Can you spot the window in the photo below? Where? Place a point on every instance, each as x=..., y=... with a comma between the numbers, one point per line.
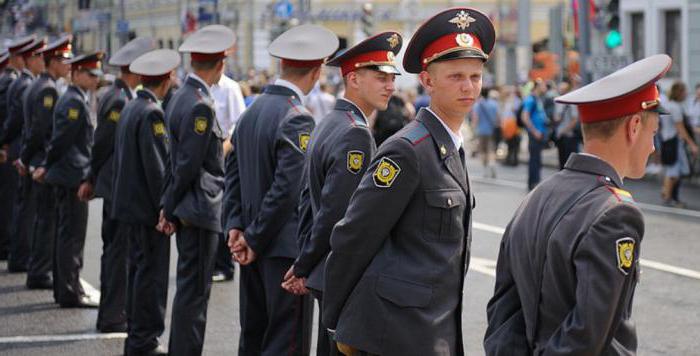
x=637, y=35
x=672, y=41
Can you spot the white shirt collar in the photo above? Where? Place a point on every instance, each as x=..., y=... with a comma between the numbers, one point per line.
x=293, y=87
x=82, y=92
x=358, y=108
x=197, y=78
x=457, y=138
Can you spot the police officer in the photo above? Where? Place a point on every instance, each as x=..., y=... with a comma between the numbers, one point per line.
x=39, y=105
x=339, y=151
x=569, y=260
x=111, y=316
x=193, y=196
x=8, y=174
x=263, y=175
x=394, y=277
x=66, y=167
x=140, y=161
x=23, y=210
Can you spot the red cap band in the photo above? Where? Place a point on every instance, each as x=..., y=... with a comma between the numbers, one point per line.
x=207, y=57
x=86, y=65
x=449, y=43
x=301, y=64
x=644, y=99
x=367, y=59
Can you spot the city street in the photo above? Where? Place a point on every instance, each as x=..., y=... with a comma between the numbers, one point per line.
x=666, y=305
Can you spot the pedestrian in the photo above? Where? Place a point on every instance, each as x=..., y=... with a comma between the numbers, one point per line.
x=389, y=121
x=675, y=137
x=66, y=168
x=485, y=121
x=140, y=164
x=568, y=262
x=535, y=122
x=111, y=315
x=567, y=127
x=229, y=105
x=395, y=274
x=510, y=108
x=23, y=210
x=339, y=151
x=39, y=104
x=263, y=182
x=321, y=101
x=192, y=199
x=9, y=179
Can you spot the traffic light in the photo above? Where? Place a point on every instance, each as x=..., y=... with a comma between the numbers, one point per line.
x=613, y=38
x=367, y=19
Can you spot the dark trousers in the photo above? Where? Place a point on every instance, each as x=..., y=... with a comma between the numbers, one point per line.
x=223, y=261
x=325, y=345
x=196, y=249
x=23, y=214
x=43, y=233
x=9, y=179
x=273, y=321
x=534, y=164
x=513, y=150
x=565, y=147
x=149, y=260
x=112, y=310
x=70, y=241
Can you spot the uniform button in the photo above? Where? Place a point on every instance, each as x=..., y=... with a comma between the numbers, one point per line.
x=449, y=201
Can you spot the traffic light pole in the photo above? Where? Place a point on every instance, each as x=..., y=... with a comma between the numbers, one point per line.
x=584, y=39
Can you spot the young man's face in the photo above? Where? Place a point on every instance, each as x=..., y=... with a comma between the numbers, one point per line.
x=375, y=87
x=35, y=64
x=454, y=85
x=642, y=144
x=85, y=80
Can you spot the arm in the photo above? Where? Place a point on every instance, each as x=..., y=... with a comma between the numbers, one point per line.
x=104, y=134
x=283, y=196
x=41, y=124
x=152, y=138
x=66, y=127
x=357, y=238
x=341, y=181
x=527, y=109
x=232, y=192
x=15, y=119
x=605, y=282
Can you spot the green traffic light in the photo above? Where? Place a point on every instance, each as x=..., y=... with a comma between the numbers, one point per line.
x=613, y=39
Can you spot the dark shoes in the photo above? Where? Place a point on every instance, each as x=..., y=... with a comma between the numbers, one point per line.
x=40, y=283
x=85, y=301
x=115, y=328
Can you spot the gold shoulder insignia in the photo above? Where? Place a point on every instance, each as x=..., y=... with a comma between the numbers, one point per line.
x=159, y=129
x=200, y=125
x=304, y=138
x=48, y=101
x=624, y=248
x=386, y=173
x=73, y=114
x=114, y=116
x=355, y=160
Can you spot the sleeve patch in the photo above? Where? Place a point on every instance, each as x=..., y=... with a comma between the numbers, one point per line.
x=159, y=129
x=624, y=249
x=200, y=125
x=48, y=101
x=304, y=138
x=386, y=173
x=73, y=114
x=114, y=116
x=355, y=161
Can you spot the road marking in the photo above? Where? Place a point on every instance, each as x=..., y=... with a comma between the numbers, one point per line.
x=59, y=338
x=643, y=206
x=659, y=266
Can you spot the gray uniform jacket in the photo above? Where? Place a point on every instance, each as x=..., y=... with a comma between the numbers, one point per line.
x=108, y=113
x=394, y=277
x=8, y=76
x=140, y=160
x=194, y=191
x=573, y=293
x=38, y=118
x=340, y=150
x=12, y=131
x=68, y=154
x=264, y=172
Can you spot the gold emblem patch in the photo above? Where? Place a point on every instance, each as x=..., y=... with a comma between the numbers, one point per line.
x=73, y=114
x=465, y=40
x=462, y=20
x=304, y=138
x=48, y=101
x=355, y=160
x=386, y=173
x=200, y=125
x=625, y=254
x=114, y=116
x=159, y=129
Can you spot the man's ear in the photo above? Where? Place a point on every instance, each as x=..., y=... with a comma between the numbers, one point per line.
x=634, y=126
x=426, y=81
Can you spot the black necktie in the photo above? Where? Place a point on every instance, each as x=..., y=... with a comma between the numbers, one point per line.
x=461, y=158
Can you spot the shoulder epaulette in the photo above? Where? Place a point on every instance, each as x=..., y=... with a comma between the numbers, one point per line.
x=417, y=134
x=355, y=120
x=621, y=194
x=297, y=106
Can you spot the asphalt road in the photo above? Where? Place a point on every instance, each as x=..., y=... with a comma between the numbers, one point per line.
x=666, y=305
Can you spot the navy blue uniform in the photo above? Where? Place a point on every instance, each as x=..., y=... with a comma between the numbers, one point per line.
x=23, y=210
x=111, y=313
x=193, y=199
x=39, y=105
x=8, y=173
x=140, y=161
x=67, y=163
x=263, y=180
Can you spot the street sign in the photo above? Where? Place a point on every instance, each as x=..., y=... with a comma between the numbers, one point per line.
x=604, y=64
x=122, y=26
x=284, y=9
